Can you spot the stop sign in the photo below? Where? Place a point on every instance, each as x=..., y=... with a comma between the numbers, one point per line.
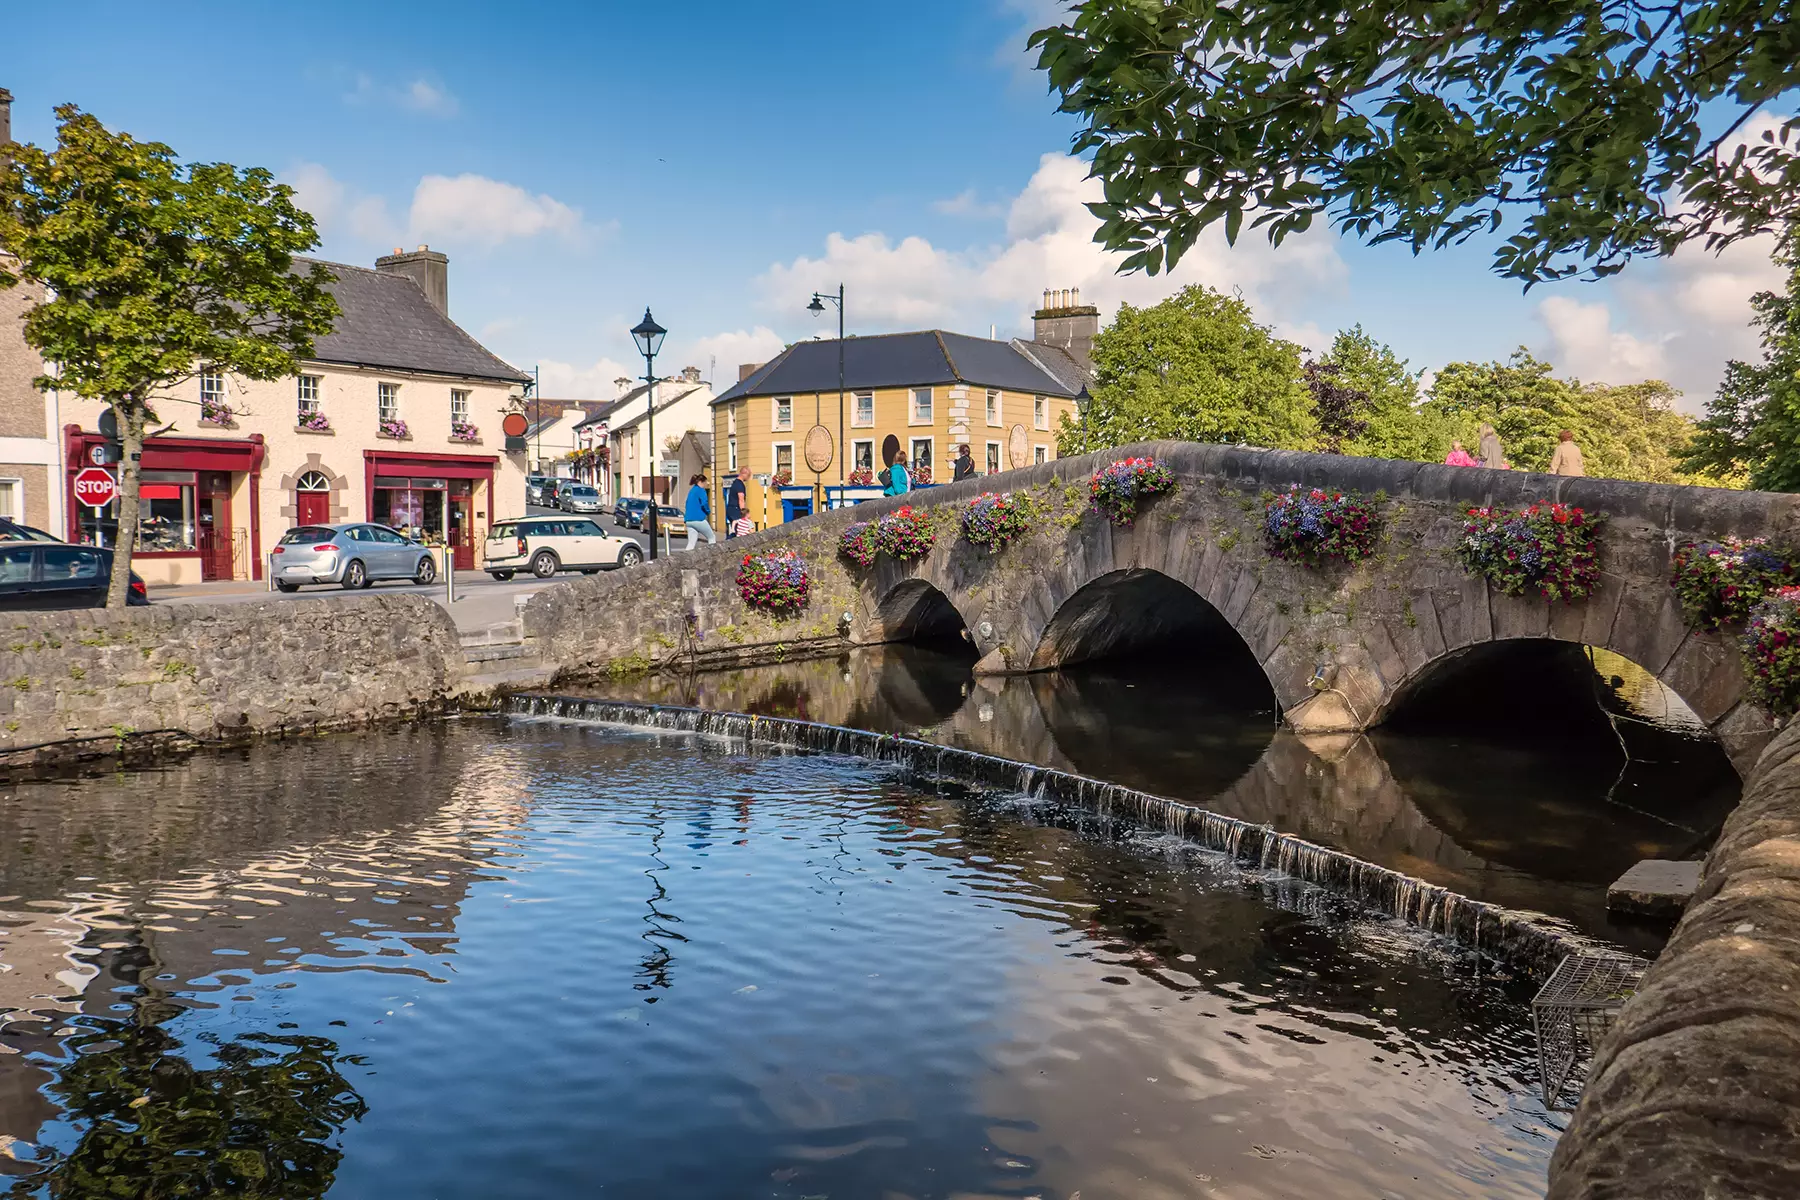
x=95, y=487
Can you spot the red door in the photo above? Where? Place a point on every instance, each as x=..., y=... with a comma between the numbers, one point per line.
x=310, y=507
x=214, y=513
x=461, y=532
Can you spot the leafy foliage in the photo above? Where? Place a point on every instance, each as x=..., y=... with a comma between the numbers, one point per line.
x=1553, y=549
x=776, y=581
x=1337, y=405
x=1118, y=488
x=1428, y=123
x=155, y=273
x=1753, y=424
x=905, y=533
x=1771, y=645
x=1196, y=367
x=1718, y=583
x=994, y=520
x=1398, y=426
x=1315, y=526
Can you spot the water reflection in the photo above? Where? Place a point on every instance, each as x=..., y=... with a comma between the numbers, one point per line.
x=1521, y=798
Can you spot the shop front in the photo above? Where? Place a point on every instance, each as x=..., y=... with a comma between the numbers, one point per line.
x=198, y=517
x=439, y=499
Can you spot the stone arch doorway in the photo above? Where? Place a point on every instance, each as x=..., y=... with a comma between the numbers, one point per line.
x=312, y=498
x=316, y=495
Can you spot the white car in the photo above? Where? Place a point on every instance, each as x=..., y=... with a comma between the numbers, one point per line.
x=546, y=545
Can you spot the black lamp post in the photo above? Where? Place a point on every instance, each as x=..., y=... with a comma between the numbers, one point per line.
x=649, y=338
x=816, y=307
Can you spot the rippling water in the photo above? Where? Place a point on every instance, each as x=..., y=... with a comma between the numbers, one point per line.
x=491, y=958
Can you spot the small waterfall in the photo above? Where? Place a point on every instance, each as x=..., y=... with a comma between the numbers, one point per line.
x=1531, y=942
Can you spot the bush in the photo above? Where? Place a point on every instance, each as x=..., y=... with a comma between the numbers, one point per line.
x=775, y=581
x=1718, y=583
x=860, y=543
x=1116, y=489
x=994, y=520
x=905, y=534
x=1313, y=526
x=1552, y=548
x=1771, y=644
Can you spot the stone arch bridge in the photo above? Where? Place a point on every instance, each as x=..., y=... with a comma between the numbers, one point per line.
x=1078, y=588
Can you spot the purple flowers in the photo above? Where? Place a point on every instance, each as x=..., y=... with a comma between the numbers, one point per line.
x=860, y=543
x=994, y=520
x=1116, y=490
x=1771, y=645
x=1312, y=526
x=316, y=421
x=905, y=534
x=1718, y=583
x=775, y=581
x=462, y=431
x=1552, y=548
x=394, y=427
x=215, y=412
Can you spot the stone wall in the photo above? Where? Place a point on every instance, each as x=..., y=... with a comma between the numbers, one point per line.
x=74, y=683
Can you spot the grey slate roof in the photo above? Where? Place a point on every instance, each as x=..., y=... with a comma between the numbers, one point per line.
x=388, y=322
x=1058, y=362
x=899, y=360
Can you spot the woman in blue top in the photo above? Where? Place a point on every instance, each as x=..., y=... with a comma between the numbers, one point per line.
x=696, y=512
x=899, y=482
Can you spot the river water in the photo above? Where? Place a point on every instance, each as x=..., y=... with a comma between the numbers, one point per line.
x=533, y=958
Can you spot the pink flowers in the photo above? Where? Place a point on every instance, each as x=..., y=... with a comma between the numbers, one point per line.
x=994, y=520
x=1313, y=526
x=1718, y=583
x=859, y=543
x=1553, y=549
x=1117, y=489
x=905, y=534
x=1771, y=646
x=775, y=581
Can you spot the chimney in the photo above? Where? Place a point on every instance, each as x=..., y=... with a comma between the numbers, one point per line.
x=746, y=370
x=1067, y=323
x=5, y=117
x=690, y=374
x=425, y=267
x=623, y=383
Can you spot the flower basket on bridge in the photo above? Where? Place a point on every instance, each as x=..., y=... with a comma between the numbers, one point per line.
x=1771, y=645
x=1553, y=549
x=1718, y=583
x=1315, y=526
x=994, y=520
x=1116, y=490
x=775, y=581
x=860, y=543
x=906, y=534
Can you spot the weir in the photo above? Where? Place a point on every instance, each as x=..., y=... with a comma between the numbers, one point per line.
x=1529, y=942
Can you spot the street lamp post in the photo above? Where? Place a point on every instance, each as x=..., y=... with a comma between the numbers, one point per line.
x=816, y=307
x=649, y=338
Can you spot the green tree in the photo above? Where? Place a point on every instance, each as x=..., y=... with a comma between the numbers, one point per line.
x=1397, y=426
x=156, y=272
x=1196, y=367
x=1432, y=121
x=1752, y=427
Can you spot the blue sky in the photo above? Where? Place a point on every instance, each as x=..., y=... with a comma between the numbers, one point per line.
x=718, y=161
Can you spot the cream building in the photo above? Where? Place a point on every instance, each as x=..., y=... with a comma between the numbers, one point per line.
x=395, y=418
x=683, y=405
x=28, y=417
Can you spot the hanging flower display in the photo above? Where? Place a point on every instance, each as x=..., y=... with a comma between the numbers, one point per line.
x=462, y=431
x=215, y=412
x=994, y=520
x=1553, y=549
x=905, y=534
x=860, y=543
x=919, y=474
x=775, y=581
x=1116, y=490
x=394, y=427
x=315, y=422
x=1718, y=583
x=781, y=479
x=1771, y=644
x=861, y=477
x=1314, y=526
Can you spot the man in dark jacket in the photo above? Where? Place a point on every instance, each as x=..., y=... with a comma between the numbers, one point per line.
x=734, y=502
x=965, y=465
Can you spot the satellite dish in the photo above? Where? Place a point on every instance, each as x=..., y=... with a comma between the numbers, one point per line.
x=109, y=423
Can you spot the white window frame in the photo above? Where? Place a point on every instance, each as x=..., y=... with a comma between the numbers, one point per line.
x=856, y=413
x=994, y=459
x=459, y=405
x=996, y=408
x=212, y=386
x=1040, y=454
x=912, y=407
x=387, y=401
x=306, y=394
x=731, y=418
x=912, y=455
x=731, y=452
x=775, y=458
x=16, y=486
x=856, y=447
x=775, y=422
x=1040, y=412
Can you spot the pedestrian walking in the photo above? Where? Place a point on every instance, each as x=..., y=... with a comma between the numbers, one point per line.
x=1493, y=454
x=965, y=464
x=894, y=480
x=696, y=513
x=737, y=508
x=1458, y=457
x=1567, y=459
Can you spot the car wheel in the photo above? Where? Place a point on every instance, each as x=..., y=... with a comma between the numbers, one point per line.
x=427, y=571
x=289, y=588
x=502, y=576
x=355, y=576
x=544, y=565
x=630, y=556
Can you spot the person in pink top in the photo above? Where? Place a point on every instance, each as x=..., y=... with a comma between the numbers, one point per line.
x=1458, y=457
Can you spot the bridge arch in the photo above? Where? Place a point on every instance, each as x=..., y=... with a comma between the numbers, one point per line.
x=914, y=609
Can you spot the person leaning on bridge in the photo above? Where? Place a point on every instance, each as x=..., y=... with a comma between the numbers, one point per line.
x=965, y=465
x=895, y=481
x=736, y=507
x=1567, y=459
x=1458, y=457
x=697, y=512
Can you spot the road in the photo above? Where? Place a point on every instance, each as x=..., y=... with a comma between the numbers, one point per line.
x=480, y=601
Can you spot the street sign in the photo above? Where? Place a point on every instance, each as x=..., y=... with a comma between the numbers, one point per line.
x=97, y=454
x=95, y=487
x=818, y=449
x=514, y=425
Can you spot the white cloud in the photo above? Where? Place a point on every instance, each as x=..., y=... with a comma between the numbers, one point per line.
x=1588, y=347
x=568, y=381
x=967, y=204
x=339, y=211
x=421, y=96
x=731, y=350
x=487, y=212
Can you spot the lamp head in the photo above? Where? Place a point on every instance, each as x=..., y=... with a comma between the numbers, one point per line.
x=648, y=335
x=817, y=306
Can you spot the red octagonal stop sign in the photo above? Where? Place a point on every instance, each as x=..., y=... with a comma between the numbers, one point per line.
x=95, y=487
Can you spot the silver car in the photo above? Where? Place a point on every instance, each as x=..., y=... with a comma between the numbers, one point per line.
x=353, y=556
x=578, y=498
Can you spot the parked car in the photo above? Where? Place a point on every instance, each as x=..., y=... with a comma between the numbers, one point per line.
x=49, y=574
x=12, y=531
x=548, y=493
x=546, y=545
x=629, y=512
x=579, y=498
x=353, y=556
x=534, y=488
x=669, y=521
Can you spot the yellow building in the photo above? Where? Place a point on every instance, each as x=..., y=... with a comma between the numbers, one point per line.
x=919, y=394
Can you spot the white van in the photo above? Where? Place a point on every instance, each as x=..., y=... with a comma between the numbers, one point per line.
x=546, y=545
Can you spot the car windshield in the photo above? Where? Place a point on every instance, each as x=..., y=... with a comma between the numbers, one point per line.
x=584, y=491
x=308, y=533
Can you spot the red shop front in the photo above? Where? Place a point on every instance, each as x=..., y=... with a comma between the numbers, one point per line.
x=438, y=498
x=189, y=528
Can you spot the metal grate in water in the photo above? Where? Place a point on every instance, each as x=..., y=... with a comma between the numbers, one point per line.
x=1573, y=1011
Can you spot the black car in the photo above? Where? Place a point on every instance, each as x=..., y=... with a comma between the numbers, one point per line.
x=55, y=575
x=630, y=511
x=12, y=531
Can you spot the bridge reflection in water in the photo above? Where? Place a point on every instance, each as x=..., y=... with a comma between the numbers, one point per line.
x=1530, y=775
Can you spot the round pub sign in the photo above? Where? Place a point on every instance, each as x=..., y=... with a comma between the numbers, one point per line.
x=514, y=425
x=818, y=449
x=1017, y=452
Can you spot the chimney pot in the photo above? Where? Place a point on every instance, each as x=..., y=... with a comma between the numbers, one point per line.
x=424, y=247
x=426, y=267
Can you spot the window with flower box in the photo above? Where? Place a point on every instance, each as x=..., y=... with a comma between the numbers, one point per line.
x=387, y=401
x=307, y=396
x=459, y=406
x=213, y=409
